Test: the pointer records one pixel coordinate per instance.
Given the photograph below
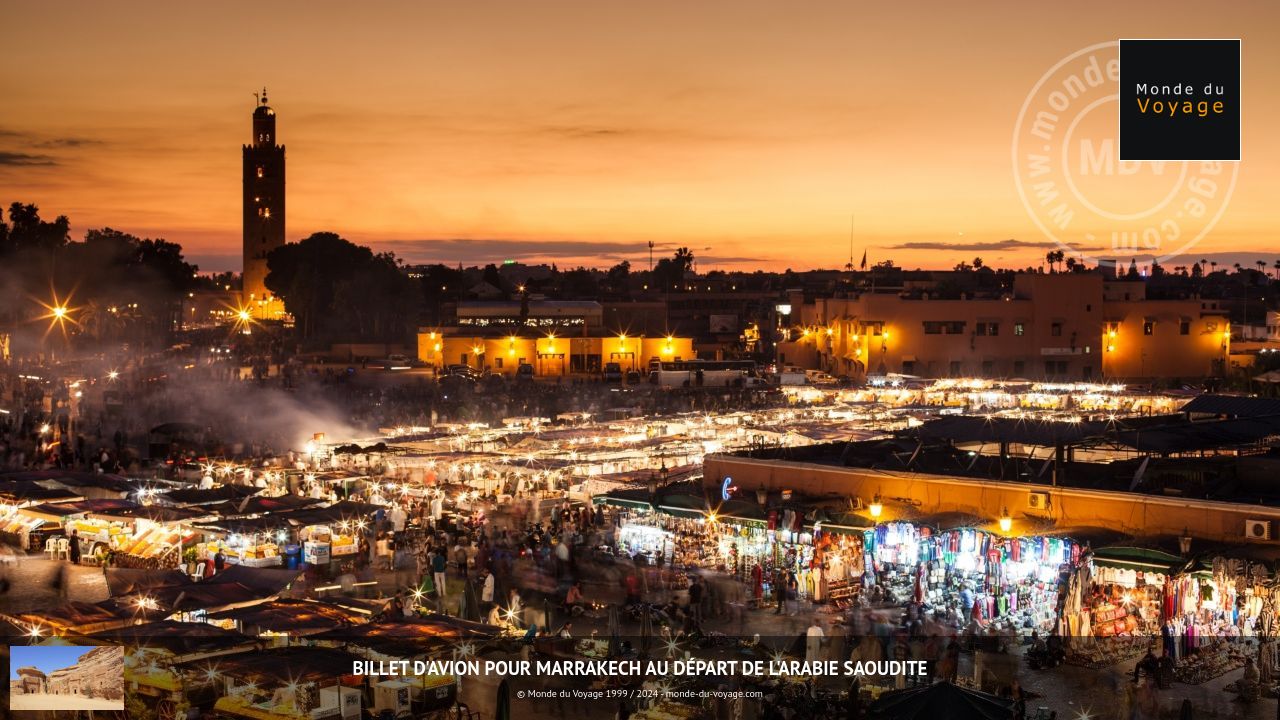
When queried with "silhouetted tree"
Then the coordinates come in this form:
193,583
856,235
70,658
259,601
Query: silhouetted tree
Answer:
669,273
337,289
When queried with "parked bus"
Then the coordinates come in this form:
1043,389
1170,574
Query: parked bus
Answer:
705,373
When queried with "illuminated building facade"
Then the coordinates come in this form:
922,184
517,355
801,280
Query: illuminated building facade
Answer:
1069,326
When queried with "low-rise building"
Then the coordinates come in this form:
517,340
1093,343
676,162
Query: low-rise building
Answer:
1071,326
548,353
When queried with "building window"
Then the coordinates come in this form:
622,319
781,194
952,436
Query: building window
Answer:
1019,329
943,327
908,367
1019,368
1184,327
497,362
1148,328
1088,307
955,368
987,329
988,368
1056,329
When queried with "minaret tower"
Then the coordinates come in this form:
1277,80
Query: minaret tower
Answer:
263,210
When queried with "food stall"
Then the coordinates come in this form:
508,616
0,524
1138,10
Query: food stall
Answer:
252,542
97,532
292,682
158,534
24,531
325,543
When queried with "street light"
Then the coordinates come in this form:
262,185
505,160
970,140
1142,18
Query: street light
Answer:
876,507
1006,522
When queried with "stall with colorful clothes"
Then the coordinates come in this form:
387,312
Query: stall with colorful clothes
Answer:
1122,601
969,573
1209,608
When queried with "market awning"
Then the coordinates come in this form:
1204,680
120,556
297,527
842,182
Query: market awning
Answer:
129,581
1141,559
155,513
72,617
296,617
28,491
177,637
274,666
1203,435
209,496
411,637
256,504
1232,406
1021,431
58,511
73,479
941,700
695,506
636,499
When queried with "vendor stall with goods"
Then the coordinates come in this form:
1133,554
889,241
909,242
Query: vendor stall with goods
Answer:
969,574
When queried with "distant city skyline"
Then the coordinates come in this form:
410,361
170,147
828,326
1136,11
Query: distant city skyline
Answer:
576,133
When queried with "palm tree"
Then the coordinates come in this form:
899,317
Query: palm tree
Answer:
1262,266
1277,267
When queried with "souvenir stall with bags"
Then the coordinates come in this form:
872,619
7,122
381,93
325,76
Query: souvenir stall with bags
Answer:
1112,604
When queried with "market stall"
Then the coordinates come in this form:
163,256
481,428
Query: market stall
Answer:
1122,601
970,574
157,535
284,683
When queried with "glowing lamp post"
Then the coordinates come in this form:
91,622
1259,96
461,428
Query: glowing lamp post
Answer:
1006,522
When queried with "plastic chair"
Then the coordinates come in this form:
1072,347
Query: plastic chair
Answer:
64,548
199,573
51,547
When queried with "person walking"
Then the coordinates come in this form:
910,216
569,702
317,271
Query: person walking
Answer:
695,598
439,564
73,548
813,642
486,591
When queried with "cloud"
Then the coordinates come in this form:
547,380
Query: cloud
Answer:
67,142
588,252
586,132
979,246
17,159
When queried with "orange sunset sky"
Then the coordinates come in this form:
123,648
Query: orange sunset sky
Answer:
577,132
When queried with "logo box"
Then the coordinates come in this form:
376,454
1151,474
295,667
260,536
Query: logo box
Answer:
1180,99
